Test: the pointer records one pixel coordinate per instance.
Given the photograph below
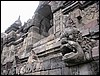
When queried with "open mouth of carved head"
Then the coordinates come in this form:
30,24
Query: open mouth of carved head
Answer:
66,49
71,51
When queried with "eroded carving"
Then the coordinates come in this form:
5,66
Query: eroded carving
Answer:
75,48
31,65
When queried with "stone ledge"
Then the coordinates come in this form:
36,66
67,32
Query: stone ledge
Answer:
46,46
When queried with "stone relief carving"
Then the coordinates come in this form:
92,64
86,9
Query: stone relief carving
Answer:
75,49
90,12
34,61
82,17
86,15
8,69
31,65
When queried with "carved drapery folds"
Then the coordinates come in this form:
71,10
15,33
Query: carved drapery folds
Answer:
75,49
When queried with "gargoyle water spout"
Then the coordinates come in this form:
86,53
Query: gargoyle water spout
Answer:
73,47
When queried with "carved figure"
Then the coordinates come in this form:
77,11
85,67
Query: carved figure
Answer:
32,62
32,58
75,48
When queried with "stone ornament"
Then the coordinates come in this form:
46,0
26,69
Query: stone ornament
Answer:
75,49
31,65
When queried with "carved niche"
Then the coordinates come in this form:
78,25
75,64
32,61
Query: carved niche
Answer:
75,49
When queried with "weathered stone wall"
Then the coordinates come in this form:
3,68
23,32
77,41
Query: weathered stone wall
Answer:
36,47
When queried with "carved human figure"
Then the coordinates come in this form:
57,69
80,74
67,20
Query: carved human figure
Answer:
32,61
33,57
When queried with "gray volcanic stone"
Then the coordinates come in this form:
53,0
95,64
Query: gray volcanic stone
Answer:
56,62
65,71
46,65
55,72
95,52
42,35
44,72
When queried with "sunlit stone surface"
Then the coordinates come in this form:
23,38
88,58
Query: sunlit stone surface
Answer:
62,38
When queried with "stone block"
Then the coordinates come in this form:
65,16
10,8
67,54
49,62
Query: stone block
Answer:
51,30
41,65
74,70
34,29
38,66
34,40
95,51
77,12
46,65
35,35
44,72
12,47
37,18
27,54
97,42
36,22
50,37
53,5
36,44
53,44
29,74
65,71
84,69
56,62
29,48
44,40
94,29
40,49
36,73
58,28
46,24
91,68
85,32
91,24
49,45
36,50
57,34
57,44
55,72
94,67
5,48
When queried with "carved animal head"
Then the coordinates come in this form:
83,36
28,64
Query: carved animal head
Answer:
72,46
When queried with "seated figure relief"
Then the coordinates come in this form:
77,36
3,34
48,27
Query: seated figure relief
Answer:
75,49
